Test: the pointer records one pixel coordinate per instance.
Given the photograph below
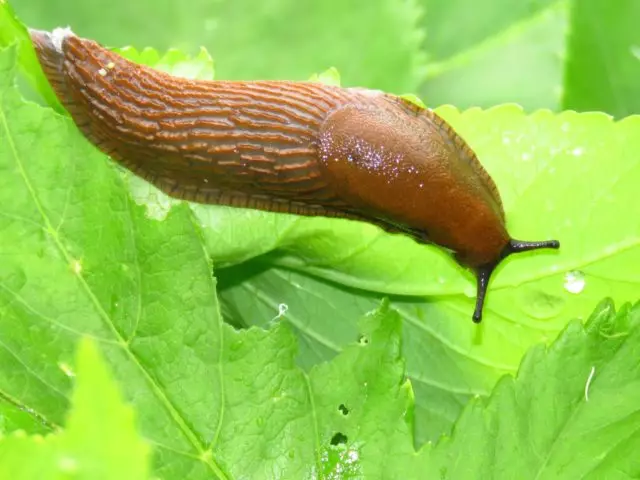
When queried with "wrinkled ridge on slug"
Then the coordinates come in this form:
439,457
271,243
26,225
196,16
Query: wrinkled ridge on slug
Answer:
242,144
296,147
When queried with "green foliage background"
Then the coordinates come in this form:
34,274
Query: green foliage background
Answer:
557,54
205,393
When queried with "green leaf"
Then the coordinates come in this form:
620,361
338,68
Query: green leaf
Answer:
100,441
174,61
14,416
572,411
330,76
79,258
124,22
12,31
535,160
447,365
100,428
413,99
603,64
364,409
287,39
501,52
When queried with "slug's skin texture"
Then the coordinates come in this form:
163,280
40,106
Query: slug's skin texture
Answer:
296,147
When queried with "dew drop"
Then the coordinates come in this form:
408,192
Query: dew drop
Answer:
68,371
353,456
282,309
76,266
574,281
577,151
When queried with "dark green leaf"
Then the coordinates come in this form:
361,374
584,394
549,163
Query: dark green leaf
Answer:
572,411
603,63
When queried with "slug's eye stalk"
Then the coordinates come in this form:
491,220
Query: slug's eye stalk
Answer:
483,273
482,278
517,246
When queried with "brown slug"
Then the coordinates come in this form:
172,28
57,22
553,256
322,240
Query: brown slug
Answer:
297,147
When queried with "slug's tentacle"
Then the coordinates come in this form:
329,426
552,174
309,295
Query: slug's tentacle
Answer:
483,273
297,147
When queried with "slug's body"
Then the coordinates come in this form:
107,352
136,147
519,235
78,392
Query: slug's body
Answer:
302,148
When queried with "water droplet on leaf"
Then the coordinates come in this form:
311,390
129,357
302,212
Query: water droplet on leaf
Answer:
574,281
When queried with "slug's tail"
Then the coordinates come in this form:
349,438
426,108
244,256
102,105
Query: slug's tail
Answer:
49,47
483,273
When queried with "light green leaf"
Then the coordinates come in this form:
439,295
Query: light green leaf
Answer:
503,51
125,22
571,412
330,76
12,31
365,408
413,99
603,62
447,364
372,44
15,416
79,258
100,441
100,429
173,61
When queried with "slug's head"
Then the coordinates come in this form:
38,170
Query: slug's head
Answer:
483,272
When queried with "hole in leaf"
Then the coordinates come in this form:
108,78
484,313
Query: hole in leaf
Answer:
339,439
343,409
363,340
